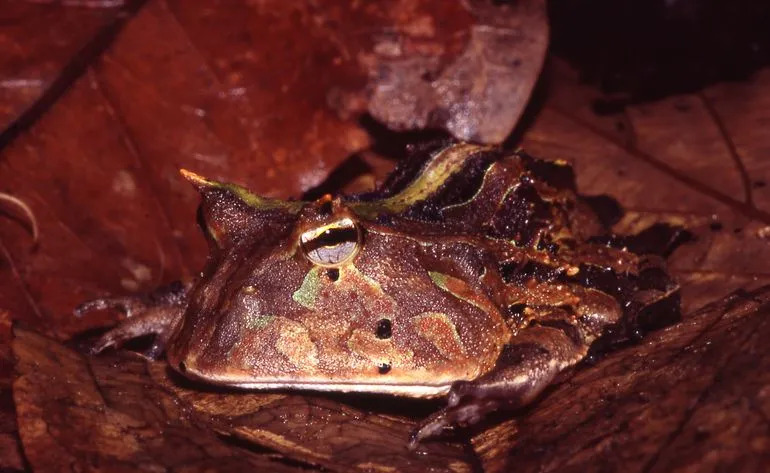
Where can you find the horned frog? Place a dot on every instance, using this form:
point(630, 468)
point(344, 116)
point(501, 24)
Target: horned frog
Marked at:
point(470, 273)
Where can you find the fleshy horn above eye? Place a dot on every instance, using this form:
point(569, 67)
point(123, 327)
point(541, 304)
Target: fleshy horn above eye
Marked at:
point(228, 212)
point(332, 244)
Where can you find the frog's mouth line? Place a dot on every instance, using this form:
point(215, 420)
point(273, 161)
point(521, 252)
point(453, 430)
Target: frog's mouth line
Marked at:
point(410, 390)
point(404, 389)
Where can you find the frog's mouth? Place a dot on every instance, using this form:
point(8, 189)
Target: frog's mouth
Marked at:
point(420, 390)
point(409, 390)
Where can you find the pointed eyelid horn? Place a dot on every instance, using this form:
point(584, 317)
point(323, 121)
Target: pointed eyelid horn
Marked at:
point(196, 179)
point(263, 203)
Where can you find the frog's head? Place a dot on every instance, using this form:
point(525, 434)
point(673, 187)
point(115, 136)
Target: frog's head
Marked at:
point(342, 294)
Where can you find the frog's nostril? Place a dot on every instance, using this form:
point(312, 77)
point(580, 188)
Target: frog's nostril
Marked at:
point(384, 329)
point(383, 368)
point(333, 274)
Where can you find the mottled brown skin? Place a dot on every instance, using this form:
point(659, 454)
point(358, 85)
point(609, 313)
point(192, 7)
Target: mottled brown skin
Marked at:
point(470, 273)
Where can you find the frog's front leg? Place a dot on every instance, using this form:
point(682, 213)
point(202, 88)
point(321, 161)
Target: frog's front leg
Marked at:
point(525, 367)
point(155, 314)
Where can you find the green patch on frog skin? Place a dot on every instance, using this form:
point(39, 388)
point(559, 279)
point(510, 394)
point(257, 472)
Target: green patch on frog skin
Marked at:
point(348, 277)
point(439, 279)
point(243, 194)
point(437, 171)
point(307, 293)
point(259, 321)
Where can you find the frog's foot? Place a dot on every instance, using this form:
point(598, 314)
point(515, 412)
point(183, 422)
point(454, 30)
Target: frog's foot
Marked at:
point(454, 415)
point(524, 369)
point(158, 321)
point(128, 305)
point(156, 314)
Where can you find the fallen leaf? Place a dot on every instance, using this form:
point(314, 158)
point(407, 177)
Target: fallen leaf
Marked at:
point(119, 412)
point(70, 415)
point(36, 68)
point(679, 401)
point(481, 93)
point(182, 85)
point(697, 161)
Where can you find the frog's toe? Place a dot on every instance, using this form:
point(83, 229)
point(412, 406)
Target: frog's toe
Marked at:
point(121, 334)
point(104, 342)
point(433, 426)
point(128, 305)
point(458, 415)
point(116, 336)
point(157, 321)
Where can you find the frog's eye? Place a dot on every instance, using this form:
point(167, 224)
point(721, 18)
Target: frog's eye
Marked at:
point(332, 244)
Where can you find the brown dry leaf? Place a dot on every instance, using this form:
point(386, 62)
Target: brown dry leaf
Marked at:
point(482, 93)
point(692, 397)
point(11, 458)
point(260, 93)
point(697, 160)
point(105, 414)
point(34, 68)
point(118, 412)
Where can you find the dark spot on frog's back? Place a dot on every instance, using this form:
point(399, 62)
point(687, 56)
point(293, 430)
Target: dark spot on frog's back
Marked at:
point(659, 239)
point(384, 329)
point(517, 315)
point(603, 279)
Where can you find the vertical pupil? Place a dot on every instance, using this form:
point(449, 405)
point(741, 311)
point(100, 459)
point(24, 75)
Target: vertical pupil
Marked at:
point(384, 329)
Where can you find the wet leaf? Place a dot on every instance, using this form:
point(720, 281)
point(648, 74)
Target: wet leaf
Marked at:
point(106, 414)
point(696, 160)
point(35, 68)
point(481, 93)
point(680, 401)
point(119, 412)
